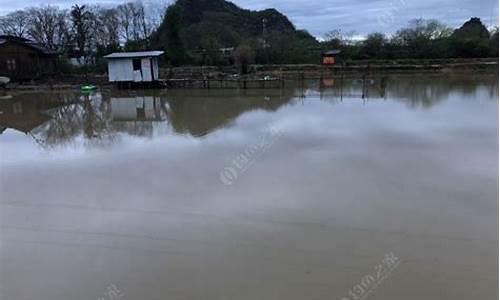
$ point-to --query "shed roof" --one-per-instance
(133, 54)
(13, 38)
(332, 52)
(28, 43)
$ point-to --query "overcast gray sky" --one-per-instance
(320, 16)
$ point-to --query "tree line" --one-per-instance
(91, 31)
(87, 31)
(420, 39)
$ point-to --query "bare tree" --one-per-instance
(141, 28)
(338, 38)
(153, 13)
(424, 30)
(16, 23)
(125, 16)
(86, 28)
(48, 24)
(64, 34)
(107, 27)
(138, 21)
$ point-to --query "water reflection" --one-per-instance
(200, 112)
(139, 108)
(53, 119)
(128, 194)
(137, 115)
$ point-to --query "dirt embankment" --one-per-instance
(60, 82)
(302, 71)
(318, 71)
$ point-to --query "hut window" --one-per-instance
(137, 64)
(11, 64)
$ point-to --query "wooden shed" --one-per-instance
(23, 59)
(329, 57)
(133, 66)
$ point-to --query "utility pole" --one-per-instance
(264, 28)
(264, 37)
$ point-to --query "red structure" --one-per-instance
(329, 57)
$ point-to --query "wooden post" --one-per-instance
(363, 94)
(281, 78)
(341, 85)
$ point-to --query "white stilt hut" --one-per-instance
(133, 66)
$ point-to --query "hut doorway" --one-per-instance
(136, 66)
(136, 63)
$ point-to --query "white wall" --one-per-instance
(120, 70)
(146, 69)
(123, 70)
(155, 68)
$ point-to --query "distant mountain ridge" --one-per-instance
(473, 39)
(226, 24)
(200, 11)
(472, 29)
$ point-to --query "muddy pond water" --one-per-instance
(383, 189)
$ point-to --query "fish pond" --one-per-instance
(337, 188)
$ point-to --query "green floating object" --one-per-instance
(88, 87)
